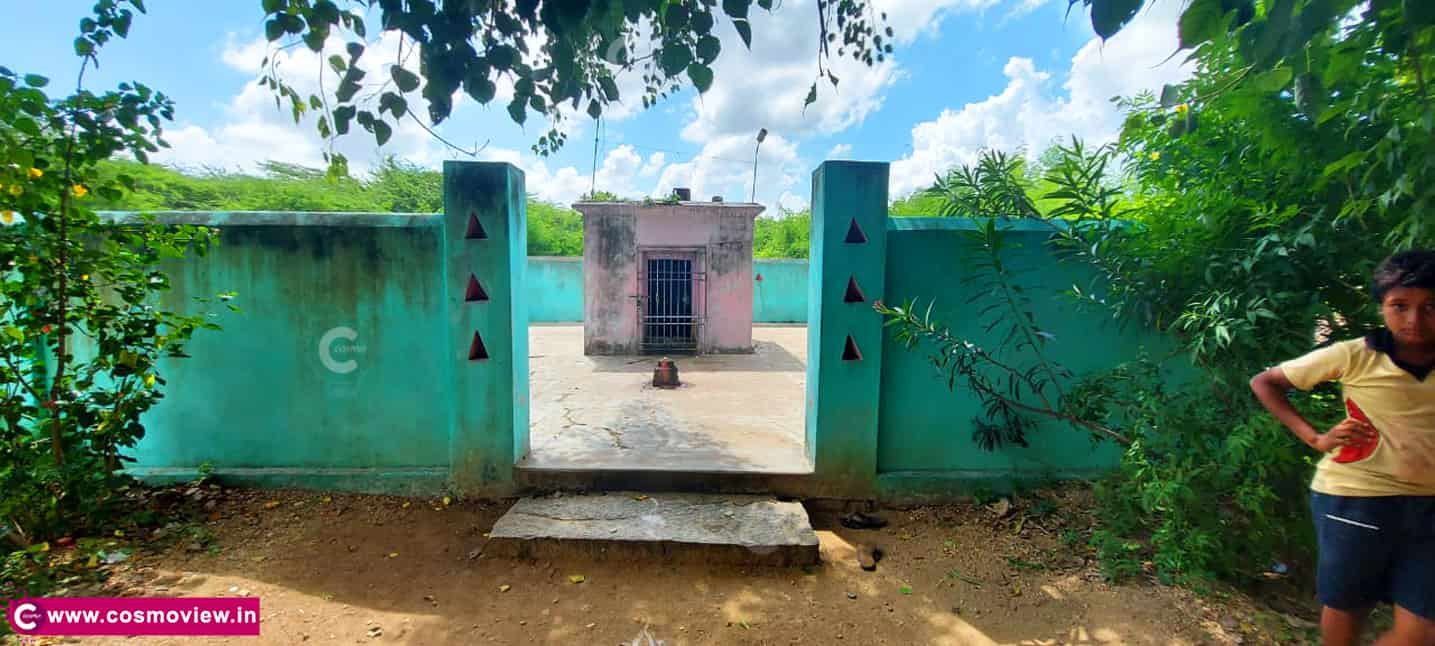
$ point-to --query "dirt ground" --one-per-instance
(351, 569)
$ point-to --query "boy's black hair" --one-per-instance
(1415, 268)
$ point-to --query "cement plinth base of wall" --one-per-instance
(411, 481)
(905, 488)
(583, 480)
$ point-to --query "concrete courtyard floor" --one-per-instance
(733, 413)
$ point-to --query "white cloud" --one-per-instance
(761, 88)
(256, 130)
(766, 87)
(724, 168)
(1027, 115)
(791, 201)
(245, 57)
(910, 19)
(1023, 8)
(618, 174)
(631, 87)
(655, 164)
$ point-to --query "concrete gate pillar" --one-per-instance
(486, 256)
(846, 272)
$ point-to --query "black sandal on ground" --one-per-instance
(859, 520)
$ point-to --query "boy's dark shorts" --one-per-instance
(1375, 550)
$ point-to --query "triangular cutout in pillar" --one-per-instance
(854, 293)
(476, 351)
(850, 352)
(475, 230)
(474, 293)
(854, 234)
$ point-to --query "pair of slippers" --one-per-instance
(859, 520)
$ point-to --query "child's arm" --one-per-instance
(1271, 387)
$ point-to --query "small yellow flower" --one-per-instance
(1182, 108)
(1155, 156)
(149, 381)
(79, 190)
(84, 276)
(36, 173)
(16, 189)
(7, 216)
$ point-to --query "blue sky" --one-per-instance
(966, 74)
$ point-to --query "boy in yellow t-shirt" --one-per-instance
(1373, 494)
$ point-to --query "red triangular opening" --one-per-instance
(476, 351)
(475, 230)
(474, 293)
(850, 352)
(854, 234)
(854, 293)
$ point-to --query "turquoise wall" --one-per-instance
(330, 364)
(352, 363)
(844, 336)
(350, 367)
(484, 263)
(779, 292)
(924, 437)
(555, 290)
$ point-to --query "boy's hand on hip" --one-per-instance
(1349, 431)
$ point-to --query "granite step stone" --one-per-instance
(675, 528)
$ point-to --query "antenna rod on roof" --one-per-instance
(761, 134)
(593, 179)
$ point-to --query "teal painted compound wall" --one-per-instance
(555, 290)
(329, 371)
(924, 437)
(779, 293)
(349, 366)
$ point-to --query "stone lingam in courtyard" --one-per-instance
(666, 374)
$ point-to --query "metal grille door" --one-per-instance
(669, 322)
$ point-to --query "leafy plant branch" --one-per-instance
(83, 327)
(959, 358)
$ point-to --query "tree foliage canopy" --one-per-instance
(562, 57)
